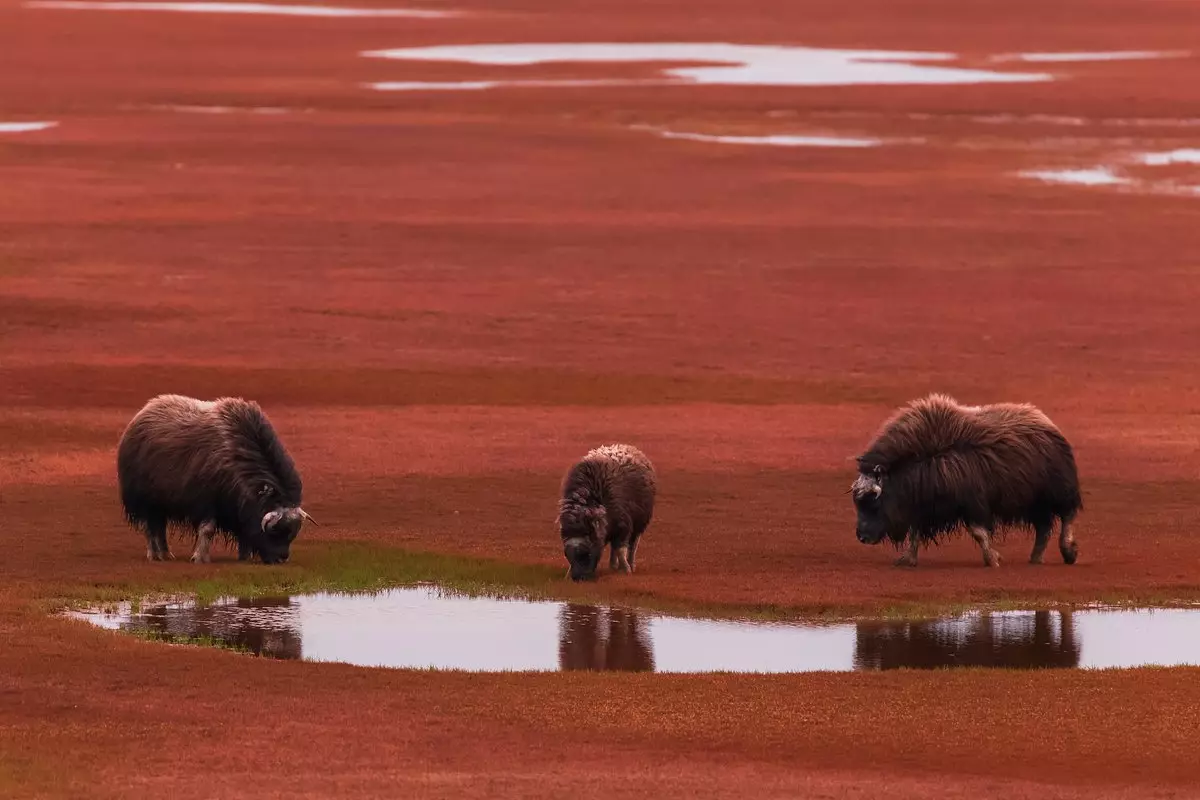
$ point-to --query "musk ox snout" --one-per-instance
(279, 529)
(583, 556)
(871, 526)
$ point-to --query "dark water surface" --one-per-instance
(426, 627)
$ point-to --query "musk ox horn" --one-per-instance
(877, 489)
(306, 515)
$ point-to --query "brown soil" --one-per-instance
(444, 298)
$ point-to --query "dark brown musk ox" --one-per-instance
(607, 499)
(209, 467)
(936, 466)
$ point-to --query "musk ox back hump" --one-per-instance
(617, 476)
(1007, 462)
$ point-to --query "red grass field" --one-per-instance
(442, 298)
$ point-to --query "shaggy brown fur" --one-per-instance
(209, 467)
(937, 465)
(607, 499)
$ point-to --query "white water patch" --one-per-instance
(463, 86)
(1093, 176)
(1083, 57)
(25, 127)
(240, 8)
(776, 140)
(223, 110)
(422, 627)
(1182, 156)
(728, 64)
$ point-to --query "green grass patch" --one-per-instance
(360, 567)
(196, 641)
(323, 567)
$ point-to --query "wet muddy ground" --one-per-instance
(443, 297)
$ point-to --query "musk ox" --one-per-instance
(607, 499)
(209, 467)
(937, 465)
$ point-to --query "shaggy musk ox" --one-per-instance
(607, 498)
(936, 465)
(209, 467)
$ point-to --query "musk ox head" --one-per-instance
(583, 529)
(876, 507)
(278, 530)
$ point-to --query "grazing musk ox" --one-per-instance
(210, 467)
(937, 465)
(607, 498)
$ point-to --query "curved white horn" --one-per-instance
(307, 517)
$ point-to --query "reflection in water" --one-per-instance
(1040, 639)
(427, 627)
(592, 637)
(262, 626)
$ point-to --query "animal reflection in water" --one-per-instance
(269, 633)
(590, 637)
(1043, 639)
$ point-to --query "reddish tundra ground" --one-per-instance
(444, 297)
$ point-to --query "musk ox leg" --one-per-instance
(244, 551)
(984, 539)
(1066, 543)
(909, 559)
(623, 558)
(156, 542)
(614, 561)
(204, 537)
(633, 545)
(1040, 541)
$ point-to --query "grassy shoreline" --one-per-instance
(360, 567)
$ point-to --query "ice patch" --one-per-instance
(728, 64)
(240, 8)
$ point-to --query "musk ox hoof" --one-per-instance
(905, 561)
(199, 559)
(991, 559)
(1070, 554)
(1036, 559)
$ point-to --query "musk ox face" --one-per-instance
(583, 529)
(583, 556)
(279, 529)
(875, 509)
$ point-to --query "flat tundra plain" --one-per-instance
(445, 295)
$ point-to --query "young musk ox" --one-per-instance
(209, 467)
(936, 465)
(607, 498)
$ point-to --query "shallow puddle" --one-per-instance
(1094, 176)
(775, 140)
(25, 127)
(425, 627)
(723, 64)
(237, 8)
